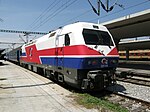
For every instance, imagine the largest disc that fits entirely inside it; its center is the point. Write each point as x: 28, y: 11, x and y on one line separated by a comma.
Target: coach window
x: 67, y: 40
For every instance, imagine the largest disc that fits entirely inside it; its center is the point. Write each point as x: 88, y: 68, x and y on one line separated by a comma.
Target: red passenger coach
x: 82, y: 54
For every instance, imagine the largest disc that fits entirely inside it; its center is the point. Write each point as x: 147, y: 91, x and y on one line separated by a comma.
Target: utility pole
x: 27, y: 37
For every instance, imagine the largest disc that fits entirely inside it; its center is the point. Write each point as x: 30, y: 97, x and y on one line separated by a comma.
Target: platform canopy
x: 1, y: 50
x: 134, y: 45
x: 134, y: 25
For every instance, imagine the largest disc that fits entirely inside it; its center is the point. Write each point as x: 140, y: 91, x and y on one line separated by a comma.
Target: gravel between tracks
x: 132, y: 90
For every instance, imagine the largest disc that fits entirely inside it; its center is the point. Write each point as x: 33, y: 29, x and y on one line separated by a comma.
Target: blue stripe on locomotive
x: 78, y: 63
x: 23, y: 54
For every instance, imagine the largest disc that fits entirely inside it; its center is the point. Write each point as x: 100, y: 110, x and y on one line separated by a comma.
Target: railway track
x: 132, y: 90
x: 132, y: 104
x: 134, y: 78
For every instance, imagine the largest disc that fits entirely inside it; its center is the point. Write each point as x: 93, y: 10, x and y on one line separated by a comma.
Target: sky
x: 47, y: 15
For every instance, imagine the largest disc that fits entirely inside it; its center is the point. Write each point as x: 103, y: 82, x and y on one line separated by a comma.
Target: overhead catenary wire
x: 55, y: 13
x: 43, y: 14
x: 106, y: 8
x: 112, y: 13
x: 82, y: 14
x: 71, y: 20
x: 141, y: 3
x: 78, y: 16
x: 58, y: 10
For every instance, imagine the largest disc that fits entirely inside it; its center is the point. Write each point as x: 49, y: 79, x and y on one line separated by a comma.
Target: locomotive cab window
x: 67, y: 40
x: 20, y: 52
x: 96, y: 37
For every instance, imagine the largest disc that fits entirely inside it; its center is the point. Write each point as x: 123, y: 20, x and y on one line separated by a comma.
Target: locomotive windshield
x: 96, y: 37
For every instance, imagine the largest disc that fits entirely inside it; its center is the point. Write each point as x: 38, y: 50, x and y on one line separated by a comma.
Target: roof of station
x: 134, y: 25
x: 1, y: 50
x: 135, y: 45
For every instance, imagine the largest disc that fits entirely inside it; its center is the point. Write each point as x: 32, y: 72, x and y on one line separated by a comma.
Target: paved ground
x: 24, y: 91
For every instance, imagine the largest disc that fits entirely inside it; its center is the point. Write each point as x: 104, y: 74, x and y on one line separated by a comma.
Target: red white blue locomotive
x: 82, y: 54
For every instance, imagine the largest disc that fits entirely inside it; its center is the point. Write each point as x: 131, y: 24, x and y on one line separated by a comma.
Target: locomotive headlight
x: 93, y: 62
x: 114, y: 61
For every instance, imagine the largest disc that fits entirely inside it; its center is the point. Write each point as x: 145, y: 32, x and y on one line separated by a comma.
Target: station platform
x: 24, y: 91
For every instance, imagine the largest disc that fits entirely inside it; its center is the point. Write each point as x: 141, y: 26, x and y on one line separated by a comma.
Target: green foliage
x: 93, y: 102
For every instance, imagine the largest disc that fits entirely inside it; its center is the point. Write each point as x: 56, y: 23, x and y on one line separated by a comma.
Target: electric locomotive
x: 81, y: 54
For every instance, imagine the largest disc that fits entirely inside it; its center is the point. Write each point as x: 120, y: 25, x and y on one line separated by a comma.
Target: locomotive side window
x: 67, y: 40
x: 30, y: 51
x: 20, y: 52
x: 96, y: 37
x: 52, y: 34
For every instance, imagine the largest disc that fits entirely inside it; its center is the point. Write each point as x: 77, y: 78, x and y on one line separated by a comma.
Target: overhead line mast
x: 107, y: 8
x: 26, y: 33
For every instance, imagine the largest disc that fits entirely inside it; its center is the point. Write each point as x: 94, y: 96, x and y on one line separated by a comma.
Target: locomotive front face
x: 100, y: 65
x: 106, y: 54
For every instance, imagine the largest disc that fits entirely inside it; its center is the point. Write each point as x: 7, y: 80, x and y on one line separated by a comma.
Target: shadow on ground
x: 3, y: 64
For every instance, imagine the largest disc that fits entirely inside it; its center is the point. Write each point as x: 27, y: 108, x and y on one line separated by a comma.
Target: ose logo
x: 104, y: 61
